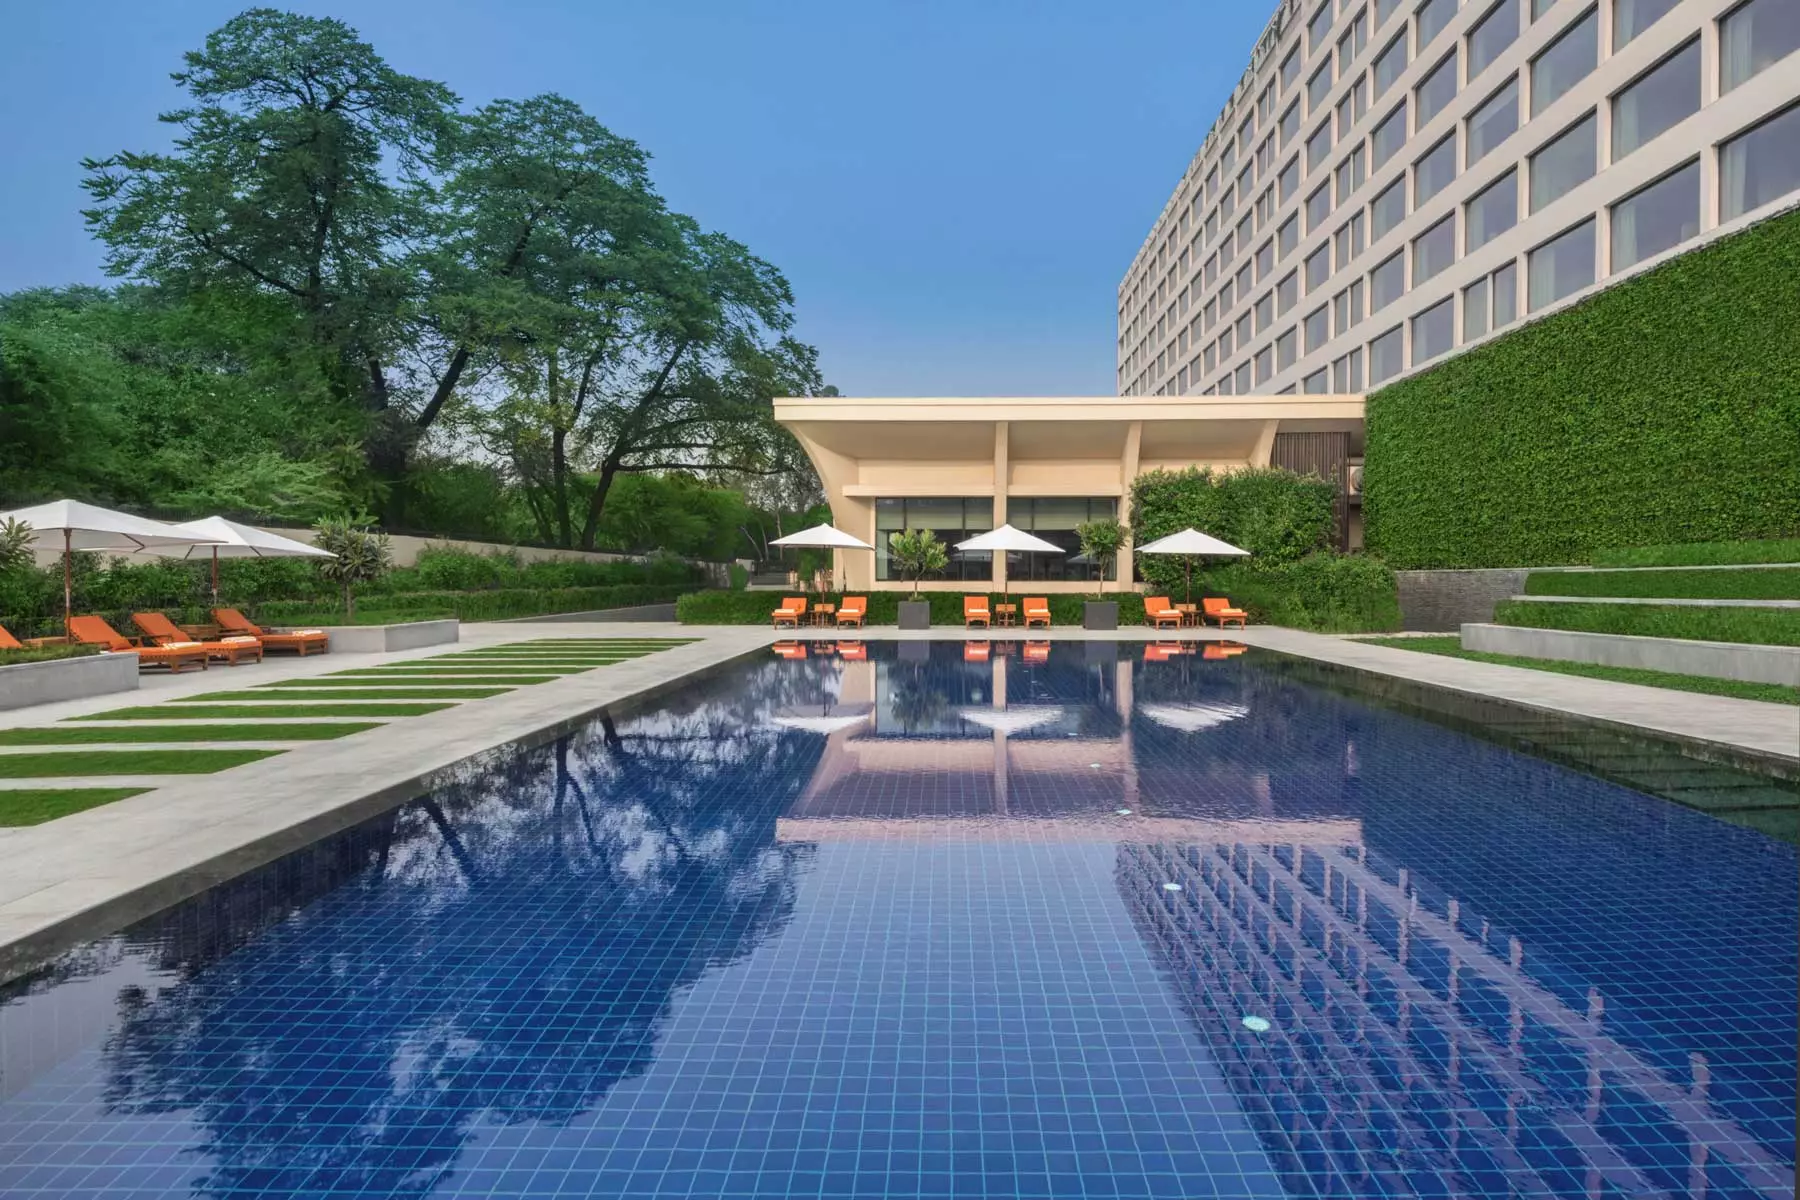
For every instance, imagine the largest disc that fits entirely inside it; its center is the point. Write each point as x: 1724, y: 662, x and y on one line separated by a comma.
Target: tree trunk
x: 590, y: 530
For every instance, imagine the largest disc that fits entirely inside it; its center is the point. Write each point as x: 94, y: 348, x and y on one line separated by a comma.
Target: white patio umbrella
x: 1192, y: 544
x: 90, y: 527
x: 1013, y: 720
x: 1193, y: 717
x: 823, y: 537
x: 1006, y: 539
x: 231, y: 540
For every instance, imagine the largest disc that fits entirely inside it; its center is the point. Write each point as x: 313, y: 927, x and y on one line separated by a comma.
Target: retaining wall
x: 25, y: 684
x: 1444, y: 601
x: 1721, y: 660
x: 380, y: 639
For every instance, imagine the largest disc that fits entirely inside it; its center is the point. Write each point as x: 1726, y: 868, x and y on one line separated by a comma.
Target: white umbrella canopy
x: 1013, y: 720
x: 90, y: 527
x: 826, y: 535
x: 1193, y: 717
x: 1191, y: 544
x: 231, y: 540
x: 1007, y: 538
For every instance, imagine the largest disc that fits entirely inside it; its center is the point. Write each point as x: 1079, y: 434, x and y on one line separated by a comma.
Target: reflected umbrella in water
x: 1193, y: 717
x: 1013, y: 720
x: 821, y: 724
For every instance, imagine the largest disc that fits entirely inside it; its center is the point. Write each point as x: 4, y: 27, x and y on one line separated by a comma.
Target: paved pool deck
x: 91, y: 873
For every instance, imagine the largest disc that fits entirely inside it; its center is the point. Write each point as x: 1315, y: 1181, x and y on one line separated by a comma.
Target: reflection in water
x: 882, y: 898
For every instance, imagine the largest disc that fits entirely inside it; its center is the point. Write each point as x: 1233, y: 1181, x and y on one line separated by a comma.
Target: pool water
x: 925, y: 919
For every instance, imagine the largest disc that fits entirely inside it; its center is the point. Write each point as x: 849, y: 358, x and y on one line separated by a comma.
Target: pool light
x: 1171, y: 887
x: 1256, y: 1024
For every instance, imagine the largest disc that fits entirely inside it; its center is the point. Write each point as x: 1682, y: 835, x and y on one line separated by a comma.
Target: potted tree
x: 363, y: 556
x: 916, y: 553
x: 1100, y: 541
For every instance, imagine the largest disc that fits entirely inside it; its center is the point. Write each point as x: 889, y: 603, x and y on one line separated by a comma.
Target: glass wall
x: 1054, y: 519
x: 952, y: 518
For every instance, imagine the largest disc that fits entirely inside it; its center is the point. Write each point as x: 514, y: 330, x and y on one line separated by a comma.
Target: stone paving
x: 89, y: 873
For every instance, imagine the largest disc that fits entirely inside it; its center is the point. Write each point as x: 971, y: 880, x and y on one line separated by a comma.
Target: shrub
x: 31, y: 654
x: 915, y: 554
x: 1753, y: 583
x: 16, y: 540
x: 1762, y: 626
x: 1278, y: 516
x: 363, y: 555
x: 740, y: 576
x: 1702, y: 554
x: 1664, y: 409
x: 495, y: 604
x: 1100, y: 541
x: 753, y: 608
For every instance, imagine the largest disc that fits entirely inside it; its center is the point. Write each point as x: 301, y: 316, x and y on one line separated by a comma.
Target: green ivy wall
x: 1665, y: 409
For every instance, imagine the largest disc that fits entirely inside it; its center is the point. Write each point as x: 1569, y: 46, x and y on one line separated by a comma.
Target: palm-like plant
x: 1100, y: 541
x: 363, y: 555
x: 15, y: 544
x: 917, y: 553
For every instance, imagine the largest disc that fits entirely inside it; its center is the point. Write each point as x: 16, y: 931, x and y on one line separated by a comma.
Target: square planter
x: 383, y: 639
x: 1100, y: 614
x: 915, y: 614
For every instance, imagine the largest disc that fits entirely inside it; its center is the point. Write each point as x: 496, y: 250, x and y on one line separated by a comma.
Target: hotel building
x: 1393, y: 181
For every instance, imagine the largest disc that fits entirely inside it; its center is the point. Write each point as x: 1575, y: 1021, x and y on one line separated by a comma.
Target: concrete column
x: 1128, y: 471
x: 1001, y: 470
x: 1264, y: 452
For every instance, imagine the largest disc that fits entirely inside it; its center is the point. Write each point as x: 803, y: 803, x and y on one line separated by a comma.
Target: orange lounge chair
x: 164, y: 632
x: 790, y: 649
x: 791, y: 610
x: 852, y: 611
x: 1037, y: 651
x: 96, y: 632
x: 1224, y: 649
x: 305, y: 641
x: 975, y: 612
x: 8, y: 641
x: 1037, y: 611
x: 1159, y: 612
x: 976, y: 652
x: 853, y: 651
x: 1219, y: 609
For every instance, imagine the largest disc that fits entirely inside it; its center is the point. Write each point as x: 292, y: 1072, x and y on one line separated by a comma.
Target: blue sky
x: 954, y: 187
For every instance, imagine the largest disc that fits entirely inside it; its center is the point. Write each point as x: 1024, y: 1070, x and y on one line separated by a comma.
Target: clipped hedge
x: 1762, y: 626
x: 1665, y: 409
x: 494, y: 605
x: 753, y: 608
x: 33, y: 654
x: 1701, y: 554
x: 1754, y: 583
x: 1278, y: 516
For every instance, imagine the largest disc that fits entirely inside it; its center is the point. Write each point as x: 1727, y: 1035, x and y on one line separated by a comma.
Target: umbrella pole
x: 1187, y: 573
x: 215, y: 576
x: 68, y: 582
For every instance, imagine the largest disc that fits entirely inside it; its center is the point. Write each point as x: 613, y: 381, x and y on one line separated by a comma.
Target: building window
x: 1287, y: 237
x: 1387, y: 210
x: 1666, y: 96
x: 1290, y: 123
x: 1347, y: 374
x: 1265, y: 312
x: 1658, y: 218
x: 952, y: 518
x: 1318, y: 383
x: 1287, y: 292
x: 1754, y: 37
x: 1318, y: 207
x: 1495, y: 121
x: 1318, y: 87
x: 1349, y: 240
x: 1435, y: 171
x: 1436, y: 90
x: 1540, y: 7
x: 1570, y: 58
x: 1492, y: 35
x: 1632, y: 17
x: 1318, y: 328
x: 1563, y: 164
x: 1347, y: 308
x: 1387, y: 356
x: 1246, y: 180
x: 1284, y: 350
x: 1245, y: 277
x: 1493, y: 211
x: 1434, y: 16
x: 1387, y: 282
x: 1562, y: 266
x: 1434, y: 331
x: 1319, y: 28
x: 1241, y: 380
x: 1318, y: 146
x: 1354, y: 39
x: 1318, y: 269
x: 1760, y: 165
x: 1055, y: 519
x: 1265, y: 259
x: 1389, y: 65
x: 1389, y: 136
x: 1226, y: 296
x: 1209, y: 357
x: 1385, y: 9
x: 1351, y: 108
x: 1288, y: 181
x: 1475, y: 310
x: 1290, y: 68
x: 1227, y: 249
x: 1349, y: 175
x: 1434, y: 250
x: 1506, y: 295
x: 1243, y: 329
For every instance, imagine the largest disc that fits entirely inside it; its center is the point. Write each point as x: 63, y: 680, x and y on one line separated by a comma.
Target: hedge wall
x: 496, y: 604
x: 1665, y: 409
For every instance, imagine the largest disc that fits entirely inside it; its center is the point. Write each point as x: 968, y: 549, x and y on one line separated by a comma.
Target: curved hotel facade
x: 1396, y: 180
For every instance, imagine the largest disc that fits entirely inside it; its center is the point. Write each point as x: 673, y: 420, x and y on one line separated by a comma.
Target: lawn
x: 126, y: 762
x: 496, y: 682
x: 1725, y: 583
x: 1764, y: 626
x: 61, y: 735
x: 1451, y: 647
x: 258, y: 712
x: 1702, y: 554
x: 350, y: 692
x: 34, y: 806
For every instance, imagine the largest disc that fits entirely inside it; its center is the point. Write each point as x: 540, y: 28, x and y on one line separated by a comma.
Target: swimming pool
x: 946, y: 920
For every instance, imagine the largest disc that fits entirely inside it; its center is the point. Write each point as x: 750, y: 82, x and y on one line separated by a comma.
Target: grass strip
x: 1743, y: 583
x: 457, y: 686
x: 34, y: 806
x: 1702, y: 554
x: 451, y: 672
x: 58, y: 735
x: 327, y: 693
x: 258, y: 712
x: 1758, y: 626
x: 126, y: 762
x: 1451, y: 647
